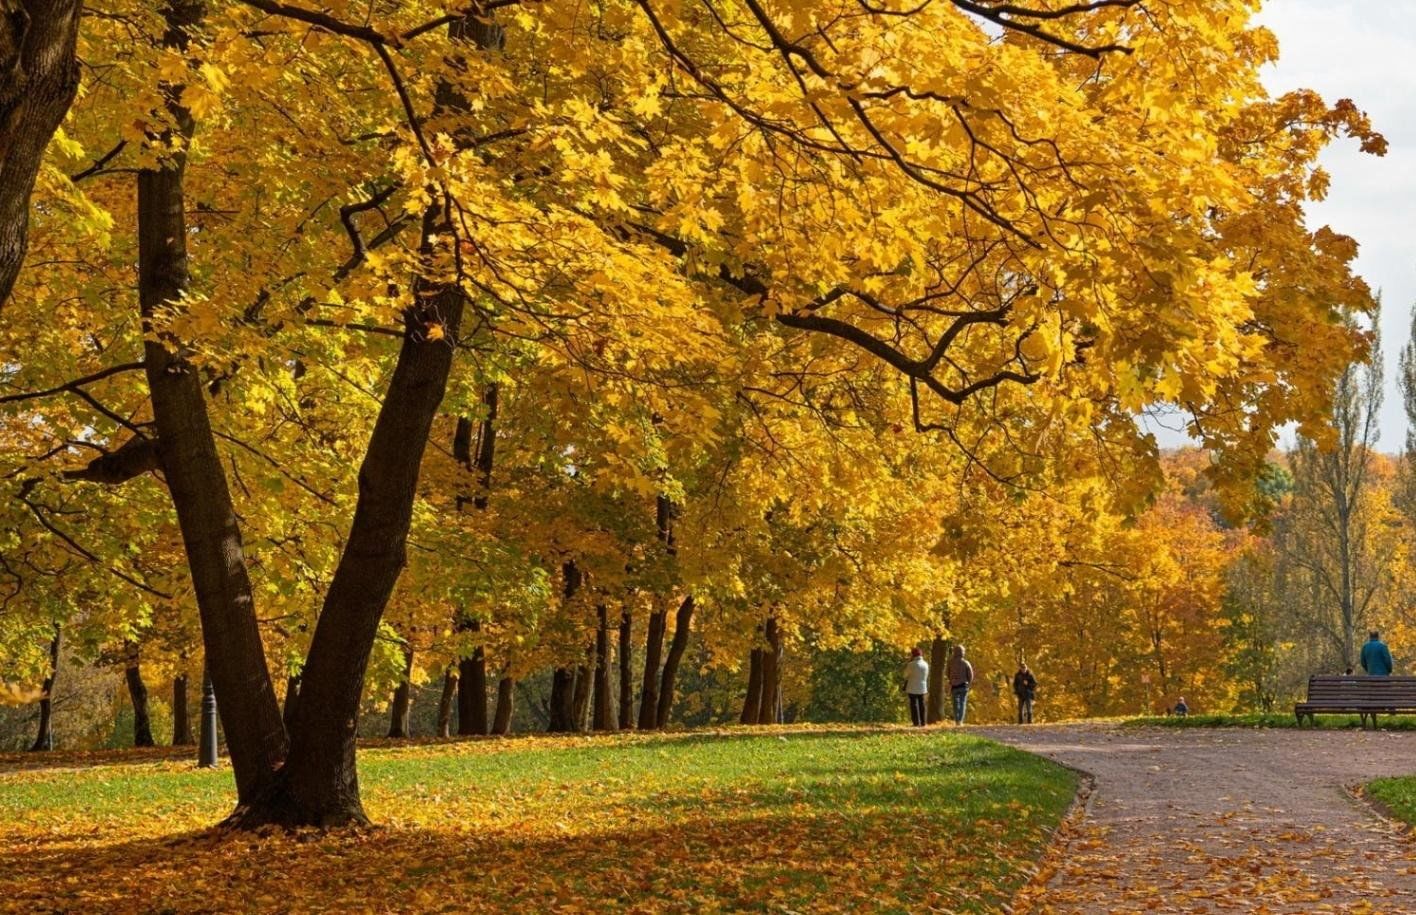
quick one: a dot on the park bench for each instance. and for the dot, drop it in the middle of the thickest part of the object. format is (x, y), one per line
(1367, 696)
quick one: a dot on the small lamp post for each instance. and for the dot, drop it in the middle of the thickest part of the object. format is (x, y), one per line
(206, 746)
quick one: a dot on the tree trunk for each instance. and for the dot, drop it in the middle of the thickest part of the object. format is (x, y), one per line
(601, 720)
(752, 704)
(562, 707)
(938, 685)
(626, 671)
(320, 781)
(400, 715)
(292, 698)
(770, 711)
(181, 714)
(194, 472)
(472, 693)
(39, 76)
(580, 701)
(649, 688)
(449, 693)
(506, 693)
(44, 739)
(682, 621)
(138, 692)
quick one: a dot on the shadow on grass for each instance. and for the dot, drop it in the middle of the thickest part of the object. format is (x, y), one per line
(727, 857)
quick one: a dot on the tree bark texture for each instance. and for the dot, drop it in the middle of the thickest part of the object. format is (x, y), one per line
(194, 472)
(601, 716)
(400, 714)
(44, 738)
(649, 687)
(506, 695)
(771, 708)
(472, 692)
(138, 693)
(580, 701)
(938, 683)
(445, 703)
(39, 76)
(626, 671)
(752, 702)
(562, 706)
(683, 620)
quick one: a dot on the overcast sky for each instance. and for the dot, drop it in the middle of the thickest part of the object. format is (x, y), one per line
(1364, 50)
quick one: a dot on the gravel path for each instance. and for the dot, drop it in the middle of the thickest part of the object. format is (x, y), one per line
(1228, 820)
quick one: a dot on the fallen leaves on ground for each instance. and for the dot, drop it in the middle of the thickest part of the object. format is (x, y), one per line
(829, 820)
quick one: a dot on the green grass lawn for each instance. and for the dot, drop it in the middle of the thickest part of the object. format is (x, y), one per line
(801, 820)
(1271, 720)
(1397, 795)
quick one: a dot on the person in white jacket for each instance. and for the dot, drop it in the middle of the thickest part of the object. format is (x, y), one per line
(917, 685)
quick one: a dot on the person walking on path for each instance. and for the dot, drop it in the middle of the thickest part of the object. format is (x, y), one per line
(961, 676)
(916, 685)
(1025, 688)
(1376, 657)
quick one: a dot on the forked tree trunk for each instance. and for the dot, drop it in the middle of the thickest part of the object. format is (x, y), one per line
(449, 694)
(626, 671)
(39, 76)
(601, 716)
(401, 713)
(138, 693)
(506, 695)
(771, 708)
(649, 687)
(938, 685)
(752, 702)
(44, 739)
(682, 621)
(181, 713)
(192, 467)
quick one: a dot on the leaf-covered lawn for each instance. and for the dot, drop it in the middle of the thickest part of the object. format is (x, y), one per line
(802, 820)
(1397, 795)
(1271, 720)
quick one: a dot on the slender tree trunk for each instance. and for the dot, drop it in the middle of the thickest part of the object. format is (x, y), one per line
(683, 620)
(39, 76)
(938, 664)
(193, 469)
(601, 720)
(649, 688)
(472, 692)
(626, 671)
(449, 693)
(181, 713)
(771, 709)
(44, 739)
(580, 701)
(506, 694)
(400, 715)
(562, 705)
(752, 703)
(138, 692)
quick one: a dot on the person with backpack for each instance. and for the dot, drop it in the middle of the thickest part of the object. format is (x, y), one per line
(917, 685)
(1025, 688)
(961, 674)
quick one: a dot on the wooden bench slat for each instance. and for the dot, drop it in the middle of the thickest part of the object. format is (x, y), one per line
(1365, 695)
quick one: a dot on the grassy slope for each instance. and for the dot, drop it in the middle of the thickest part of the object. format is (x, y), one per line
(1273, 720)
(840, 820)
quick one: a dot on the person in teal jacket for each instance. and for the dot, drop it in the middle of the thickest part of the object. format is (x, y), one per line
(1376, 657)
